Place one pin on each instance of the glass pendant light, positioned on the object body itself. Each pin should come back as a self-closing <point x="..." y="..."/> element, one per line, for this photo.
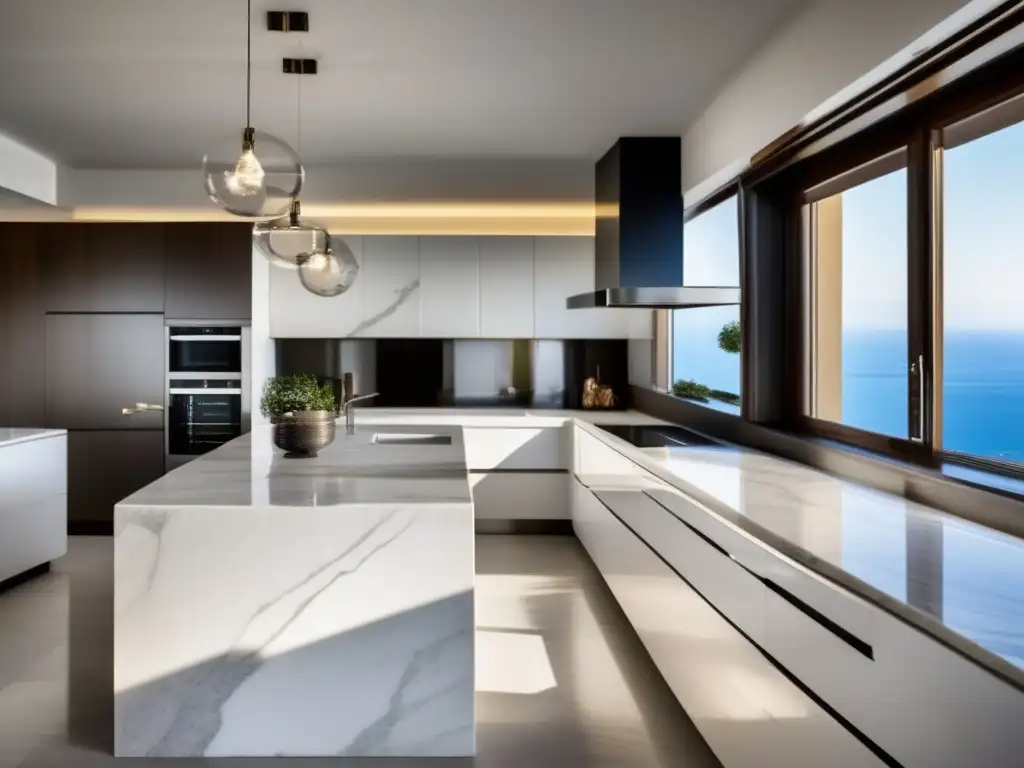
<point x="262" y="175"/>
<point x="290" y="241"/>
<point x="330" y="273"/>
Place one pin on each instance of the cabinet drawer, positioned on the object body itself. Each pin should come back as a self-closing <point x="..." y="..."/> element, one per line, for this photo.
<point x="733" y="590"/>
<point x="520" y="495"/>
<point x="516" y="448"/>
<point x="749" y="713"/>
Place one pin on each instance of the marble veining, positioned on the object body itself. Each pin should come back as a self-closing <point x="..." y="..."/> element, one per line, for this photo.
<point x="944" y="574"/>
<point x="401" y="296"/>
<point x="253" y="629"/>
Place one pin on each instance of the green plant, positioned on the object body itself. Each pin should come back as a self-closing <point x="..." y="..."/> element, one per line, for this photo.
<point x="729" y="337"/>
<point x="284" y="394"/>
<point x="691" y="390"/>
<point x="725" y="397"/>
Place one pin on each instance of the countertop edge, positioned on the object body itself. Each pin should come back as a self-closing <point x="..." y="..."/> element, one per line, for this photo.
<point x="991" y="662"/>
<point x="45" y="435"/>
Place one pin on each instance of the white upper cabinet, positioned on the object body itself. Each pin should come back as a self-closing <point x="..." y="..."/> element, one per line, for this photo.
<point x="450" y="287"/>
<point x="297" y="313"/>
<point x="506" y="287"/>
<point x="564" y="266"/>
<point x="390" y="276"/>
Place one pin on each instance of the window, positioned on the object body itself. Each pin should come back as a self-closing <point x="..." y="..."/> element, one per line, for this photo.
<point x="981" y="408"/>
<point x="705" y="341"/>
<point x="856" y="273"/>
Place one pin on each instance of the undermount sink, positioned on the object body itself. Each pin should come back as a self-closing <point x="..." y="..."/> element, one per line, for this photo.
<point x="397" y="438"/>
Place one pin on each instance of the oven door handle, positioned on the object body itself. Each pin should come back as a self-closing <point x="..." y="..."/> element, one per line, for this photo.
<point x="204" y="337"/>
<point x="203" y="391"/>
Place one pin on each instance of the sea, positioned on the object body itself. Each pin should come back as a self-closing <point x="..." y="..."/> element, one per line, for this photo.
<point x="982" y="388"/>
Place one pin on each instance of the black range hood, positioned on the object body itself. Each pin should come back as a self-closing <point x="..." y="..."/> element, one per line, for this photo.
<point x="638" y="251"/>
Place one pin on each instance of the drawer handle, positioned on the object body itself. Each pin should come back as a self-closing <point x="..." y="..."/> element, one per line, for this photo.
<point x="845" y="635"/>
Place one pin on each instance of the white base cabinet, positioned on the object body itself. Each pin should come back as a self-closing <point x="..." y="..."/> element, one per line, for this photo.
<point x="33" y="503"/>
<point x="747" y="710"/>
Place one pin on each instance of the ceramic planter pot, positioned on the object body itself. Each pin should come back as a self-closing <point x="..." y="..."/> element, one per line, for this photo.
<point x="302" y="434"/>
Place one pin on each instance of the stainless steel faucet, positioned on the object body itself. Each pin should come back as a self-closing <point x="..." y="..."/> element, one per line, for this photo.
<point x="350" y="412"/>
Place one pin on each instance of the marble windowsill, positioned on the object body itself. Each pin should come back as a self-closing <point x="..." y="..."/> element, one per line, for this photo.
<point x="954" y="579"/>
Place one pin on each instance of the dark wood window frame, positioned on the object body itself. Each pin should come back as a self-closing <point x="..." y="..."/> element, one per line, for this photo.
<point x="774" y="343"/>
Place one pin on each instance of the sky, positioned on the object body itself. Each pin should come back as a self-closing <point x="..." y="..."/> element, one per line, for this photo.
<point x="983" y="255"/>
<point x="983" y="248"/>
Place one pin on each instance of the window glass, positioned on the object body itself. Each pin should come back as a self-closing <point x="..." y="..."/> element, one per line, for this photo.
<point x="859" y="334"/>
<point x="982" y="407"/>
<point x="705" y="341"/>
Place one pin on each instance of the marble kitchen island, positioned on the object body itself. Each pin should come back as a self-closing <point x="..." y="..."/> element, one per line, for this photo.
<point x="272" y="606"/>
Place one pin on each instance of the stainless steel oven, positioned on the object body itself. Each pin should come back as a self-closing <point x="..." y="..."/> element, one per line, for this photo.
<point x="207" y="396"/>
<point x="204" y="349"/>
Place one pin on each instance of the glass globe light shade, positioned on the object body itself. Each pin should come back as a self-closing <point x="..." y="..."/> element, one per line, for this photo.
<point x="289" y="241"/>
<point x="259" y="176"/>
<point x="330" y="273"/>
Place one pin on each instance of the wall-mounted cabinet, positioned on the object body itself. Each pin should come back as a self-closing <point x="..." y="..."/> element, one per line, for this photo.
<point x="449" y="287"/>
<point x="103" y="267"/>
<point x="506" y="287"/>
<point x="455" y="287"/>
<point x="564" y="266"/>
<point x="208" y="271"/>
<point x="295" y="313"/>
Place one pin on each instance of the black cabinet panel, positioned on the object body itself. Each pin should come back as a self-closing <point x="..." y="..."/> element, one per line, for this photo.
<point x="22" y="360"/>
<point x="208" y="271"/>
<point x="105" y="467"/>
<point x="96" y="365"/>
<point x="104" y="267"/>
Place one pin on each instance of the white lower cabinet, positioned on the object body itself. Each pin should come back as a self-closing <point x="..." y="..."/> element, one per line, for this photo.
<point x="516" y="448"/>
<point x="747" y="710"/>
<point x="33" y="503"/>
<point x="921" y="702"/>
<point x="520" y="495"/>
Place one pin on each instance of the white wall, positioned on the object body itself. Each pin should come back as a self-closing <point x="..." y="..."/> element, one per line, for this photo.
<point x="828" y="52"/>
<point x="27" y="172"/>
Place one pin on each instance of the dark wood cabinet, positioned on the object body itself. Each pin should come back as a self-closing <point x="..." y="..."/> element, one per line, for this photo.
<point x="208" y="271"/>
<point x="103" y="468"/>
<point x="99" y="364"/>
<point x="103" y="267"/>
<point x="22" y="340"/>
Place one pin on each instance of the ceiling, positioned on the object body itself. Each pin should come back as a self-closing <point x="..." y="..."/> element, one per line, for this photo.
<point x="152" y="83"/>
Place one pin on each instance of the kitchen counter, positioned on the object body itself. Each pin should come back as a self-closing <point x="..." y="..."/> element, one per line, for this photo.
<point x="956" y="580"/>
<point x="307" y="607"/>
<point x="33" y="499"/>
<point x="15" y="435"/>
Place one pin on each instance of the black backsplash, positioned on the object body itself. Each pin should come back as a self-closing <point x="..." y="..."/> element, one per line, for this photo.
<point x="465" y="373"/>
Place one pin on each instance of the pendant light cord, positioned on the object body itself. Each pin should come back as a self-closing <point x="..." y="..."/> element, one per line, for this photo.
<point x="298" y="112"/>
<point x="248" y="63"/>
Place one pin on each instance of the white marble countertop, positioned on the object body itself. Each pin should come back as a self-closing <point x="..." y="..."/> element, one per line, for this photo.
<point x="944" y="574"/>
<point x="14" y="435"/>
<point x="250" y="471"/>
<point x="498" y="417"/>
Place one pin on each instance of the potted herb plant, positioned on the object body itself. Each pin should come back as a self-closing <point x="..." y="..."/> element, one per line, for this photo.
<point x="303" y="414"/>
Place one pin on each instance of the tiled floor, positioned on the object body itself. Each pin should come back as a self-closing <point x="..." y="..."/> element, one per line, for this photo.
<point x="561" y="679"/>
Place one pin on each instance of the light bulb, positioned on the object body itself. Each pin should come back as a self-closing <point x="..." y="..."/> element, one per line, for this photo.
<point x="247" y="178"/>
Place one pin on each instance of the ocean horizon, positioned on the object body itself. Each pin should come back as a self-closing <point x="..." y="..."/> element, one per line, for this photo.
<point x="982" y="387"/>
